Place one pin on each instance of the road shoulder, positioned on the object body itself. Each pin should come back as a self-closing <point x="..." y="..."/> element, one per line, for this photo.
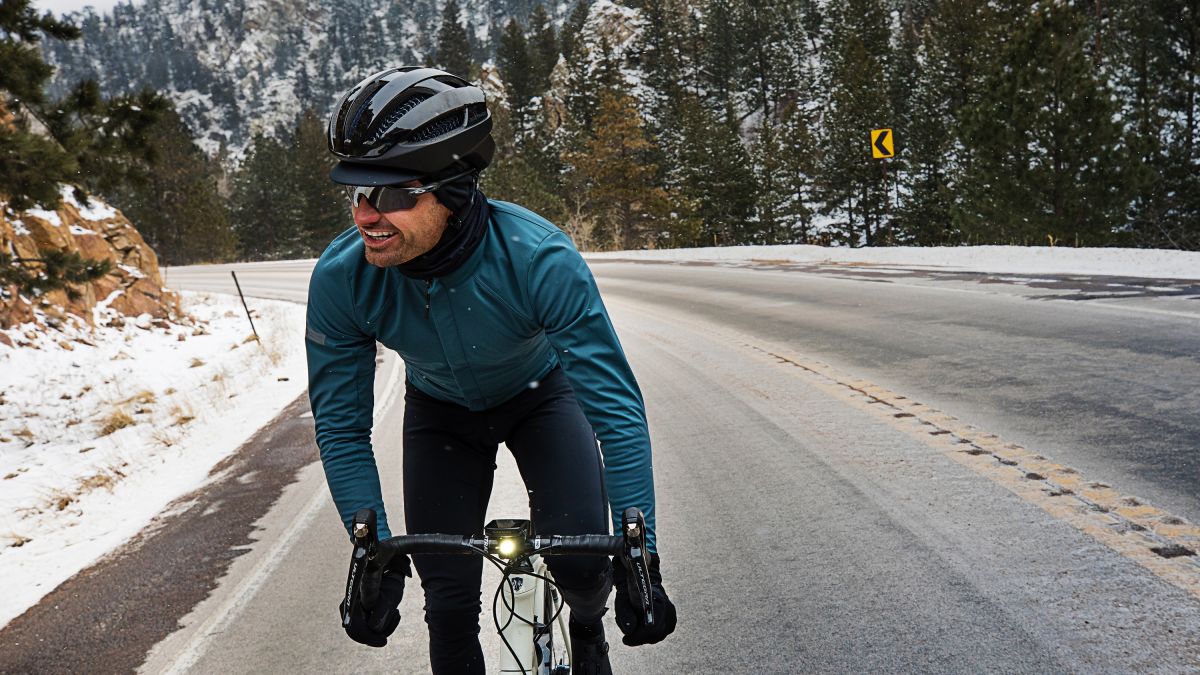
<point x="117" y="609"/>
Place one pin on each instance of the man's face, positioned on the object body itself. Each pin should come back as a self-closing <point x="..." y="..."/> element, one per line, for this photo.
<point x="409" y="233"/>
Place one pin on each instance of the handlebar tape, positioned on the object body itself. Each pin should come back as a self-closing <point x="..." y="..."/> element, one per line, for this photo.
<point x="584" y="544"/>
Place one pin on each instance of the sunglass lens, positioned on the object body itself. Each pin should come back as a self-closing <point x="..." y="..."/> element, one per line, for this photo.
<point x="355" y="194"/>
<point x="382" y="198"/>
<point x="395" y="199"/>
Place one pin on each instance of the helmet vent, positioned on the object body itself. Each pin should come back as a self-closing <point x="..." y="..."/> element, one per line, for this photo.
<point x="476" y="114"/>
<point x="437" y="128"/>
<point x="382" y="127"/>
<point x="408" y="104"/>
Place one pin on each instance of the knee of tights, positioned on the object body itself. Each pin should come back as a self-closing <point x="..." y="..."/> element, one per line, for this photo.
<point x="582" y="574"/>
<point x="452" y="624"/>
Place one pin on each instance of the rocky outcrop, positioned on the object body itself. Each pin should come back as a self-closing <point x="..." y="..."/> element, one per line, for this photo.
<point x="98" y="232"/>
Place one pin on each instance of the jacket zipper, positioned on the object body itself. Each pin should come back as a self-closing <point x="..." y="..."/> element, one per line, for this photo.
<point x="428" y="283"/>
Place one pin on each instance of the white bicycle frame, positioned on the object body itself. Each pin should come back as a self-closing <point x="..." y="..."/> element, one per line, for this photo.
<point x="536" y="601"/>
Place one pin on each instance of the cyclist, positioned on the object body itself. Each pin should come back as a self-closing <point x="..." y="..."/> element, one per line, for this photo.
<point x="504" y="338"/>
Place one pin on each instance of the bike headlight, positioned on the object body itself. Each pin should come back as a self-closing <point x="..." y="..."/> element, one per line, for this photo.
<point x="506" y="538"/>
<point x="507" y="547"/>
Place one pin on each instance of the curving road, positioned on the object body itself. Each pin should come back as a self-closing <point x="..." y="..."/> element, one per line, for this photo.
<point x="858" y="469"/>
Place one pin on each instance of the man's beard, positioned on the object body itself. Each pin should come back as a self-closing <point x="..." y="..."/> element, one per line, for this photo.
<point x="392" y="256"/>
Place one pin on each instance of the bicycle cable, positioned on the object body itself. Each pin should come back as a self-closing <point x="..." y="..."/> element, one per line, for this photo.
<point x="506" y="571"/>
<point x="511" y="609"/>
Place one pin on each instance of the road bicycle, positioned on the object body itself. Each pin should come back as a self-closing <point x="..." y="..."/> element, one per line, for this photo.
<point x="527" y="592"/>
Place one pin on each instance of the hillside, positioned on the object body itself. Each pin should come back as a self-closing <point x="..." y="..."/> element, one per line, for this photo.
<point x="234" y="68"/>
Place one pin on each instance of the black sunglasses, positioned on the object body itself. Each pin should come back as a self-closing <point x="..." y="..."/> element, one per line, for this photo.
<point x="387" y="198"/>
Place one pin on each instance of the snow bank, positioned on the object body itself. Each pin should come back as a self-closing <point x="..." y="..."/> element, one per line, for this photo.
<point x="1125" y="262"/>
<point x="101" y="428"/>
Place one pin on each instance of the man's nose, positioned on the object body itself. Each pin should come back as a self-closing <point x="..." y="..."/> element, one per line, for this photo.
<point x="365" y="213"/>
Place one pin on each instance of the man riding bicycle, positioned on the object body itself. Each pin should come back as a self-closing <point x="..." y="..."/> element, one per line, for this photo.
<point x="504" y="338"/>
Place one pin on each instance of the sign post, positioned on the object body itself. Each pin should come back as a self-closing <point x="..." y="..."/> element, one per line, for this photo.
<point x="883" y="148"/>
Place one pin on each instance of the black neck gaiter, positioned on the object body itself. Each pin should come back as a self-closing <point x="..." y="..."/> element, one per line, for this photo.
<point x="463" y="233"/>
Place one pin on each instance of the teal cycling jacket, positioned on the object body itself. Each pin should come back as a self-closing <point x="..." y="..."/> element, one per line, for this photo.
<point x="521" y="304"/>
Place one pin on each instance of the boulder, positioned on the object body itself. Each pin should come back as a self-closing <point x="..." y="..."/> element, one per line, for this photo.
<point x="97" y="232"/>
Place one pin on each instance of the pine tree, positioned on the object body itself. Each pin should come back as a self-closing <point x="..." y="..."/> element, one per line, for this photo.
<point x="713" y="172"/>
<point x="260" y="191"/>
<point x="852" y="186"/>
<point x="613" y="180"/>
<point x="55" y="270"/>
<point x="785" y="161"/>
<point x="658" y="54"/>
<point x="112" y="139"/>
<point x="25" y="72"/>
<point x="513" y="60"/>
<point x="83" y="139"/>
<point x="32" y="163"/>
<point x="948" y="75"/>
<point x="1152" y="50"/>
<point x="721" y="56"/>
<point x="777" y="88"/>
<point x="1043" y="157"/>
<point x="178" y="208"/>
<point x="454" y="47"/>
<point x="772" y="53"/>
<point x="524" y="173"/>
<point x="319" y="205"/>
<point x="568" y="36"/>
<point x="543" y="47"/>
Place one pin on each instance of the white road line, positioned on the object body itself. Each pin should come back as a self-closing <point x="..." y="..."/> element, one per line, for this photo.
<point x="240" y="598"/>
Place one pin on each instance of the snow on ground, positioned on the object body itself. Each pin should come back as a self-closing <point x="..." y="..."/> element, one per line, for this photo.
<point x="101" y="428"/>
<point x="1125" y="262"/>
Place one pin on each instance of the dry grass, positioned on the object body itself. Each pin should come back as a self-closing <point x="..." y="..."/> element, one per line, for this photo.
<point x="104" y="479"/>
<point x="73" y="421"/>
<point x="117" y="419"/>
<point x="59" y="500"/>
<point x="16" y="540"/>
<point x="182" y="413"/>
<point x="24" y="434"/>
<point x="165" y="437"/>
<point x="274" y="354"/>
<point x="144" y="397"/>
<point x="196" y="363"/>
<point x="250" y="338"/>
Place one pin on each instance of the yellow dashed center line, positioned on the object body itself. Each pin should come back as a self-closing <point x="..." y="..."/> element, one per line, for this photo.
<point x="1159" y="541"/>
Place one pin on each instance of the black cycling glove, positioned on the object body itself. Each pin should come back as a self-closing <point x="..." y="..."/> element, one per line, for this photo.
<point x="629" y="618"/>
<point x="375" y="614"/>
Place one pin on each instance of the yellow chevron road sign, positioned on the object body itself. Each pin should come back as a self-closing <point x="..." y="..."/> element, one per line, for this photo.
<point x="881" y="144"/>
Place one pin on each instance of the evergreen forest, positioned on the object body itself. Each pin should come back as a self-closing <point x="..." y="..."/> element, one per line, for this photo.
<point x="678" y="123"/>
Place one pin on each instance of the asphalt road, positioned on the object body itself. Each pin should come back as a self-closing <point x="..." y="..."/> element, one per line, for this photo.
<point x="1107" y="382"/>
<point x="808" y="521"/>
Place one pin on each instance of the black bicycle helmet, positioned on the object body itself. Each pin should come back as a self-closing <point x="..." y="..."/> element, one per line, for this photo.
<point x="406" y="123"/>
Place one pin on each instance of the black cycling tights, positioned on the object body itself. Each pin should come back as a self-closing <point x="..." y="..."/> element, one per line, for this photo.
<point x="449" y="460"/>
